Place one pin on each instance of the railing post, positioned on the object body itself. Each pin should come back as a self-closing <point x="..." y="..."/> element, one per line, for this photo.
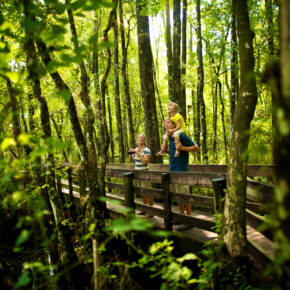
<point x="129" y="203"/>
<point x="129" y="191"/>
<point x="219" y="184"/>
<point x="165" y="180"/>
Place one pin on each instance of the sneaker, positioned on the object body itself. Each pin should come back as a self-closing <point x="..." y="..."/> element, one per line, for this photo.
<point x="141" y="213"/>
<point x="183" y="228"/>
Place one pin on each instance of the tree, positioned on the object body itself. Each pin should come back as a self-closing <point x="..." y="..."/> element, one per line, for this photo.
<point x="234" y="219"/>
<point x="117" y="90"/>
<point x="183" y="59"/>
<point x="234" y="67"/>
<point x="169" y="50"/>
<point x="125" y="74"/>
<point x="147" y="81"/>
<point x="200" y="85"/>
<point x="282" y="126"/>
<point x="176" y="76"/>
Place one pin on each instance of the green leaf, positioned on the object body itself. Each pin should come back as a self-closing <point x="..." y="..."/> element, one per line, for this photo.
<point x="7" y="142"/>
<point x="188" y="256"/>
<point x="23" y="237"/>
<point x="24" y="139"/>
<point x="23" y="280"/>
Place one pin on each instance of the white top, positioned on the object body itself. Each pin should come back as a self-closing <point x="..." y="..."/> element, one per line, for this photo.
<point x="138" y="163"/>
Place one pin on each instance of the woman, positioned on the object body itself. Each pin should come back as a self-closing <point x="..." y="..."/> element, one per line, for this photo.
<point x="141" y="156"/>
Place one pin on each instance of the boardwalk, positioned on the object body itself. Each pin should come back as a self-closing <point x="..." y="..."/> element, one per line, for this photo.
<point x="202" y="219"/>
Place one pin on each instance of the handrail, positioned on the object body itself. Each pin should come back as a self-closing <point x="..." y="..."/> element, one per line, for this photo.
<point x="258" y="194"/>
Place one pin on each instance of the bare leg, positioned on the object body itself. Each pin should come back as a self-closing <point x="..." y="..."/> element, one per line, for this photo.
<point x="148" y="200"/>
<point x="177" y="152"/>
<point x="163" y="148"/>
<point x="181" y="207"/>
<point x="188" y="209"/>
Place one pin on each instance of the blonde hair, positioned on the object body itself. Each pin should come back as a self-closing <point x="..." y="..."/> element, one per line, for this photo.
<point x="144" y="138"/>
<point x="169" y="120"/>
<point x="176" y="107"/>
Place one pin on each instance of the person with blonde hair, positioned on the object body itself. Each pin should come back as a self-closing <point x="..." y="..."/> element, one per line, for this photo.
<point x="141" y="156"/>
<point x="173" y="114"/>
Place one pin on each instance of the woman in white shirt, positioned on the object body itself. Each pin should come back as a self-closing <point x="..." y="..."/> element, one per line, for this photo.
<point x="141" y="156"/>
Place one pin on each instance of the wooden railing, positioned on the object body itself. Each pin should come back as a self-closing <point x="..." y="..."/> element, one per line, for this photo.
<point x="120" y="186"/>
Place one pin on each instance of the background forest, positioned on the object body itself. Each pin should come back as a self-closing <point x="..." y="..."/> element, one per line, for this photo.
<point x="201" y="42"/>
<point x="81" y="79"/>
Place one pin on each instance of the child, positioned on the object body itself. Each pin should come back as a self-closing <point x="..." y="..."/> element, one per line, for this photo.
<point x="173" y="113"/>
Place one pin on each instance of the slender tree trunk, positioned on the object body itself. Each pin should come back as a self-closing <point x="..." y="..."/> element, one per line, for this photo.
<point x="96" y="81"/>
<point x="125" y="75"/>
<point x="200" y="85"/>
<point x="147" y="83"/>
<point x="176" y="77"/>
<point x="195" y="105"/>
<point x="183" y="60"/>
<point x="270" y="40"/>
<point x="282" y="190"/>
<point x="117" y="90"/>
<point x="214" y="120"/>
<point x="169" y="50"/>
<point x="22" y="116"/>
<point x="15" y="116"/>
<point x="234" y="68"/>
<point x="111" y="131"/>
<point x="223" y="119"/>
<point x="92" y="161"/>
<point x="234" y="225"/>
<point x="104" y="126"/>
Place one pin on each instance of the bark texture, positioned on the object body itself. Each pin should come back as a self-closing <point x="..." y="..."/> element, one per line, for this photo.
<point x="119" y="120"/>
<point x="183" y="60"/>
<point x="176" y="74"/>
<point x="282" y="191"/>
<point x="234" y="67"/>
<point x="200" y="85"/>
<point x="234" y="229"/>
<point x="125" y="75"/>
<point x="169" y="50"/>
<point x="147" y="83"/>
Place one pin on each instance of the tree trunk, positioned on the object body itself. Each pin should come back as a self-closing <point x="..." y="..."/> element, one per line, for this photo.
<point x="223" y="120"/>
<point x="270" y="40"/>
<point x="282" y="190"/>
<point x="125" y="75"/>
<point x="183" y="60"/>
<point x="195" y="105"/>
<point x="169" y="51"/>
<point x="96" y="81"/>
<point x="176" y="80"/>
<point x="214" y="120"/>
<point x="119" y="120"/>
<point x="234" y="225"/>
<point x="104" y="126"/>
<point x="234" y="68"/>
<point x="200" y="85"/>
<point x="111" y="131"/>
<point x="147" y="83"/>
